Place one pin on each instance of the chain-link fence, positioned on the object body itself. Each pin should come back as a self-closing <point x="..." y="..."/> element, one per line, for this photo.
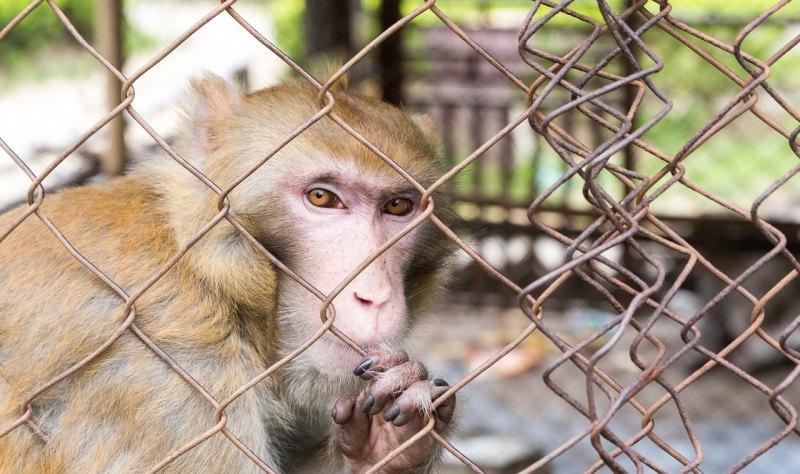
<point x="639" y="205"/>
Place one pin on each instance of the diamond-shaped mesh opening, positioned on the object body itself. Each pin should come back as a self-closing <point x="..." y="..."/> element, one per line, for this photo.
<point x="621" y="291"/>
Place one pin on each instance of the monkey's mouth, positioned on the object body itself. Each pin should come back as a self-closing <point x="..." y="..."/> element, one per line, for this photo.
<point x="338" y="351"/>
<point x="332" y="339"/>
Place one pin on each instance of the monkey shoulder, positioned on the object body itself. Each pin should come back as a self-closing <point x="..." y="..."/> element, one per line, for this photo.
<point x="115" y="226"/>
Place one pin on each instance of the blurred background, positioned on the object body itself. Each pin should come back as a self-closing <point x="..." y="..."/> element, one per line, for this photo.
<point x="52" y="91"/>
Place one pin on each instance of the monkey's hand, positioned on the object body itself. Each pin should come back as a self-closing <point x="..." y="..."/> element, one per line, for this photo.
<point x="390" y="410"/>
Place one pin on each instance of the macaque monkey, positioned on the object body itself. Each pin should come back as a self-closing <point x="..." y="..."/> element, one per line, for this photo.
<point x="224" y="312"/>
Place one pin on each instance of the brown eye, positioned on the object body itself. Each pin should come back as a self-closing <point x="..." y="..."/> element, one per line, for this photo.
<point x="398" y="206"/>
<point x="322" y="198"/>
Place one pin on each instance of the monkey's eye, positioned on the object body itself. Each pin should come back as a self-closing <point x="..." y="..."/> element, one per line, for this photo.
<point x="323" y="198"/>
<point x="398" y="206"/>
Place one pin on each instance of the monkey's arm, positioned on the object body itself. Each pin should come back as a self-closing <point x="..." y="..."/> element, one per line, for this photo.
<point x="389" y="411"/>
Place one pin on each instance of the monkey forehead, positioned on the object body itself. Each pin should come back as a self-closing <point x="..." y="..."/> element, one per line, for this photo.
<point x="281" y="109"/>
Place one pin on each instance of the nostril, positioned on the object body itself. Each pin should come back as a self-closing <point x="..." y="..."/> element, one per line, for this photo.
<point x="371" y="297"/>
<point x="363" y="301"/>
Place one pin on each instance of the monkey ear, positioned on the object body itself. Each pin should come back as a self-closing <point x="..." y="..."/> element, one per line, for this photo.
<point x="341" y="84"/>
<point x="212" y="101"/>
<point x="428" y="127"/>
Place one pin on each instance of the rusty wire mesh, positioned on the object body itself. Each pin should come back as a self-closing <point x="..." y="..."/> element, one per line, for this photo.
<point x="611" y="90"/>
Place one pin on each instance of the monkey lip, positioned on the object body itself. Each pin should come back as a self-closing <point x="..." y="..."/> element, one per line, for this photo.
<point x="340" y="353"/>
<point x="332" y="340"/>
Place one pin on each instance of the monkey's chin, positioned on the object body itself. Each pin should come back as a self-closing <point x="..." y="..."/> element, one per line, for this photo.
<point x="333" y="357"/>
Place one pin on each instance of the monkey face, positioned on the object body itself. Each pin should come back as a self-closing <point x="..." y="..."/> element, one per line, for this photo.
<point x="344" y="216"/>
<point x="323" y="204"/>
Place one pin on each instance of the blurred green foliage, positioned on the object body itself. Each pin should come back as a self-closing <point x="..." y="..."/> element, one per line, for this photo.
<point x="41" y="27"/>
<point x="40" y="46"/>
<point x="737" y="164"/>
<point x="288" y="20"/>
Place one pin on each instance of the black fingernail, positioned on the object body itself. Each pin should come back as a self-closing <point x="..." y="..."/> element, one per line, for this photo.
<point x="400" y="420"/>
<point x="440" y="383"/>
<point x="367" y="404"/>
<point x="364" y="366"/>
<point x="391" y="413"/>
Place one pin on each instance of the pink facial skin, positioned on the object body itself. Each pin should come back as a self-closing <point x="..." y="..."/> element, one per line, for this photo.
<point x="371" y="309"/>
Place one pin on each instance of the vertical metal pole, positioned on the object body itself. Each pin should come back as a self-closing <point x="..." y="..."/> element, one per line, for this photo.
<point x="390" y="54"/>
<point x="629" y="152"/>
<point x="108" y="27"/>
<point x="328" y="29"/>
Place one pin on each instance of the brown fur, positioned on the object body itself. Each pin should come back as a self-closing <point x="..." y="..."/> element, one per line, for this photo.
<point x="214" y="312"/>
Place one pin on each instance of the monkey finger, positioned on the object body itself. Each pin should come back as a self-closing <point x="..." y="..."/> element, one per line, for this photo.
<point x="343" y="409"/>
<point x="412" y="404"/>
<point x="353" y="426"/>
<point x="378" y="361"/>
<point x="391" y="384"/>
<point x="444" y="412"/>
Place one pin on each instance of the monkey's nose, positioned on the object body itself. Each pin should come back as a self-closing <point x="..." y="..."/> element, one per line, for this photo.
<point x="363" y="301"/>
<point x="371" y="301"/>
<point x="367" y="302"/>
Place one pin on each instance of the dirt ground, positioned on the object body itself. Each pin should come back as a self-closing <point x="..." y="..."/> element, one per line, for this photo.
<point x="509" y="417"/>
